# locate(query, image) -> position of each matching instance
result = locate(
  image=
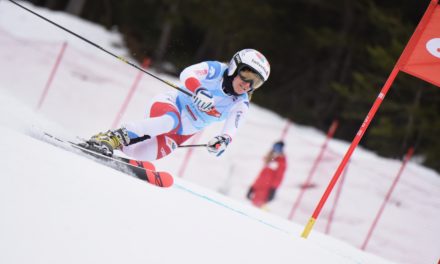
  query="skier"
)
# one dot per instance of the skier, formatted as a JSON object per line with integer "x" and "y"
{"x": 221, "y": 92}
{"x": 265, "y": 186}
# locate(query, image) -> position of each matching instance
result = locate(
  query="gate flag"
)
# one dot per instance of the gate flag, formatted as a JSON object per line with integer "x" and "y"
{"x": 424, "y": 60}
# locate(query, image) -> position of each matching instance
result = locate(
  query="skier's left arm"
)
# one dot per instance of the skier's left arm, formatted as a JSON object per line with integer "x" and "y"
{"x": 236, "y": 115}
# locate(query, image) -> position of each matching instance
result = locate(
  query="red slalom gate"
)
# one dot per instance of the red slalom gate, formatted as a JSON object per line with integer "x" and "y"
{"x": 145, "y": 65}
{"x": 387, "y": 197}
{"x": 51, "y": 76}
{"x": 416, "y": 53}
{"x": 330, "y": 134}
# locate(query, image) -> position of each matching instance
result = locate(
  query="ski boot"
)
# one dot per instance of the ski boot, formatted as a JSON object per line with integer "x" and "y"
{"x": 107, "y": 142}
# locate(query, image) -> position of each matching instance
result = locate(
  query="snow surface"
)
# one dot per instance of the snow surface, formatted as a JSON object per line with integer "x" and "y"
{"x": 58, "y": 207}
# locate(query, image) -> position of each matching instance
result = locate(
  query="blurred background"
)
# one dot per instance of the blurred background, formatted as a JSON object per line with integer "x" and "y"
{"x": 329, "y": 58}
{"x": 350, "y": 55}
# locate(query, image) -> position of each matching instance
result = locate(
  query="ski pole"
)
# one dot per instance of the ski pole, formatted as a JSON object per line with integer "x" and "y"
{"x": 192, "y": 146}
{"x": 106, "y": 51}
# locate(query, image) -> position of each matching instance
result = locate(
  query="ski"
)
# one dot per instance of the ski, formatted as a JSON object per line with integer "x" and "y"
{"x": 143, "y": 170}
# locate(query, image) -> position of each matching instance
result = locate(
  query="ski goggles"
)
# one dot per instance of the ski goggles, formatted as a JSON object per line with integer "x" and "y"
{"x": 248, "y": 75}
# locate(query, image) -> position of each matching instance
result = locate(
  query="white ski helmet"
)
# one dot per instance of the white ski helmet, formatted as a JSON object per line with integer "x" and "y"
{"x": 250, "y": 58}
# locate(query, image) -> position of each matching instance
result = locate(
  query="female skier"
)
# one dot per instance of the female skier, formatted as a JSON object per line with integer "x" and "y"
{"x": 220, "y": 93}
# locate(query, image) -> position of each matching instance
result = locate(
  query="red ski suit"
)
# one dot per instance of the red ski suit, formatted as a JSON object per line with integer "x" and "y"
{"x": 269, "y": 178}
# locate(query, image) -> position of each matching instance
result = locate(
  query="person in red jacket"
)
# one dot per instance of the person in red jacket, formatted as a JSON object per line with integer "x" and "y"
{"x": 265, "y": 186}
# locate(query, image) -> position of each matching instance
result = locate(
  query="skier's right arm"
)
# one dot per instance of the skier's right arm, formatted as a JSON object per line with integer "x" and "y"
{"x": 192, "y": 75}
{"x": 191, "y": 78}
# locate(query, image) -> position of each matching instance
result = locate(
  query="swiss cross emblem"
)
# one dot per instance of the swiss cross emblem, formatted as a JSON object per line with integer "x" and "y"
{"x": 433, "y": 47}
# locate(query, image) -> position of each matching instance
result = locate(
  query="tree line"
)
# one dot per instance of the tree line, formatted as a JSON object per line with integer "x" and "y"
{"x": 329, "y": 58}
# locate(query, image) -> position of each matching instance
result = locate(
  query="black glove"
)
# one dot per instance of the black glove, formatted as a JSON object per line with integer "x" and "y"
{"x": 249, "y": 194}
{"x": 271, "y": 194}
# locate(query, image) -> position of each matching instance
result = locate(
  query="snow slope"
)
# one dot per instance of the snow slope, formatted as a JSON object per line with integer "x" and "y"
{"x": 85, "y": 97}
{"x": 59, "y": 207}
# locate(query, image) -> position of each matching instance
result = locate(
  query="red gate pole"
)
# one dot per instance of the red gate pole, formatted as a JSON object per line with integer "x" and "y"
{"x": 51, "y": 76}
{"x": 387, "y": 197}
{"x": 145, "y": 65}
{"x": 350, "y": 151}
{"x": 330, "y": 133}
{"x": 335, "y": 203}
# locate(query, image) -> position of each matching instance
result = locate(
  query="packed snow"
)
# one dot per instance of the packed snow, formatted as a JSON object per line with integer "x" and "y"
{"x": 57, "y": 206}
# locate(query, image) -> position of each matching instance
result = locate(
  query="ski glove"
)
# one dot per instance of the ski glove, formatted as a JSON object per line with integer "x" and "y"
{"x": 271, "y": 194}
{"x": 203, "y": 99}
{"x": 218, "y": 144}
